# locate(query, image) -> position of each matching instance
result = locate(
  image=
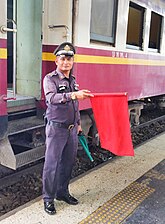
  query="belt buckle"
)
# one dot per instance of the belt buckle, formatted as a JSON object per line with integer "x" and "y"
{"x": 71, "y": 126}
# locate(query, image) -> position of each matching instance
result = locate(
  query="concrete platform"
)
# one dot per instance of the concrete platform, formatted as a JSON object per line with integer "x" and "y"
{"x": 94, "y": 188}
{"x": 152, "y": 209}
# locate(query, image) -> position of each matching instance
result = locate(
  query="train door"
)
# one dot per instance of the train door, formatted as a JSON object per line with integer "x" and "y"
{"x": 24, "y": 47}
{"x": 20, "y": 65}
{"x": 10, "y": 21}
{"x": 3, "y": 72}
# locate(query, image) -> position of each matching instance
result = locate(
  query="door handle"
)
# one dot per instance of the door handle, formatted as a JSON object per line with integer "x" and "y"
{"x": 4, "y": 29}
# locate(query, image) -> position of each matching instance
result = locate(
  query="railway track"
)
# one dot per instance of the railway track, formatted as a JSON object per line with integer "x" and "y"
{"x": 147, "y": 130}
{"x": 25, "y": 184}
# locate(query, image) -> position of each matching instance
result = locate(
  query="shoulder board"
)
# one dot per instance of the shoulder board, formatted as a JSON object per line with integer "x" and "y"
{"x": 73, "y": 76}
{"x": 52, "y": 74}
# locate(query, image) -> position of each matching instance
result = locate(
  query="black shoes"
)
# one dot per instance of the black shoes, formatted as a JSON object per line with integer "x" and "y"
{"x": 68, "y": 199}
{"x": 49, "y": 208}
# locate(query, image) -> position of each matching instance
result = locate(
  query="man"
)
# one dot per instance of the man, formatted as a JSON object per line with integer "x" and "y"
{"x": 63, "y": 124}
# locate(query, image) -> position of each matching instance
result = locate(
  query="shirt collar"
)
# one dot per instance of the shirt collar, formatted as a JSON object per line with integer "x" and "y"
{"x": 61, "y": 75}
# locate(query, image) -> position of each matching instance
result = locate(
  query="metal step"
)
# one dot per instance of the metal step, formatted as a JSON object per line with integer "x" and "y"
{"x": 24, "y": 144}
{"x": 11, "y": 160}
{"x": 20, "y": 103}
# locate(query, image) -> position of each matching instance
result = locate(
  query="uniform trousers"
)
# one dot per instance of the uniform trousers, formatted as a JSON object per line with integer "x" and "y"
{"x": 60, "y": 155}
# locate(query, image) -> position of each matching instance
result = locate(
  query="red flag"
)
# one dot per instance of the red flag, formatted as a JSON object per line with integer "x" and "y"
{"x": 112, "y": 121}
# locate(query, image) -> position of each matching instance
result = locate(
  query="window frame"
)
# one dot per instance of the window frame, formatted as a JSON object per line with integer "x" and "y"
{"x": 140, "y": 42}
{"x": 103, "y": 38}
{"x": 156, "y": 49}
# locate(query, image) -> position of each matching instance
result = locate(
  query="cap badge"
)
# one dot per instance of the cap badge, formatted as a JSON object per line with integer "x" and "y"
{"x": 67, "y": 48}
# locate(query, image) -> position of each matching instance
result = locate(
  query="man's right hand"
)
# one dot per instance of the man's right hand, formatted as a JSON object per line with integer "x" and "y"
{"x": 81, "y": 94}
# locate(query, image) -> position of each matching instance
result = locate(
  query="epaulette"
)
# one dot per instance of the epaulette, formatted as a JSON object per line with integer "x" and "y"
{"x": 73, "y": 76}
{"x": 52, "y": 73}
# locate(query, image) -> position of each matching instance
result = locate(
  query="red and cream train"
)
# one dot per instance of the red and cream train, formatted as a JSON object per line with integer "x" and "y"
{"x": 120, "y": 47}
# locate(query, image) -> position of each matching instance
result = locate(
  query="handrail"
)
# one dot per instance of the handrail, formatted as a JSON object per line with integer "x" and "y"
{"x": 60, "y": 26}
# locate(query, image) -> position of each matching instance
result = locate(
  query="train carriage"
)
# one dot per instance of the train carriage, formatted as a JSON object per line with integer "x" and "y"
{"x": 3, "y": 80}
{"x": 120, "y": 47}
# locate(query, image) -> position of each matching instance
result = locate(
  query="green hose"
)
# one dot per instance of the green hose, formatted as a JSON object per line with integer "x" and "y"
{"x": 84, "y": 144}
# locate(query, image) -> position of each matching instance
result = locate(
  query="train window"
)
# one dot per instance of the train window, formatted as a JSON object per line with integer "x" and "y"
{"x": 155, "y": 31}
{"x": 135, "y": 26}
{"x": 103, "y": 20}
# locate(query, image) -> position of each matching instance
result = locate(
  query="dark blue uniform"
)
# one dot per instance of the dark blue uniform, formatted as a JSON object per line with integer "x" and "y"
{"x": 61, "y": 134}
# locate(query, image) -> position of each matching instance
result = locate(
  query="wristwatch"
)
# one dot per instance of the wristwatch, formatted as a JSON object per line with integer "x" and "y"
{"x": 73, "y": 96}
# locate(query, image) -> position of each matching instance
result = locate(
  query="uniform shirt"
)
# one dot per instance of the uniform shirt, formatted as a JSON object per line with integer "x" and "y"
{"x": 60, "y": 107}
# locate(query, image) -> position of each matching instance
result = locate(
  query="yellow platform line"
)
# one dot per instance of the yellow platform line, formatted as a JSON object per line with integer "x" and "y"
{"x": 120, "y": 206}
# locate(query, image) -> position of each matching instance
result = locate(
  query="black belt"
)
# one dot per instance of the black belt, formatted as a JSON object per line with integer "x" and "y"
{"x": 61, "y": 125}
